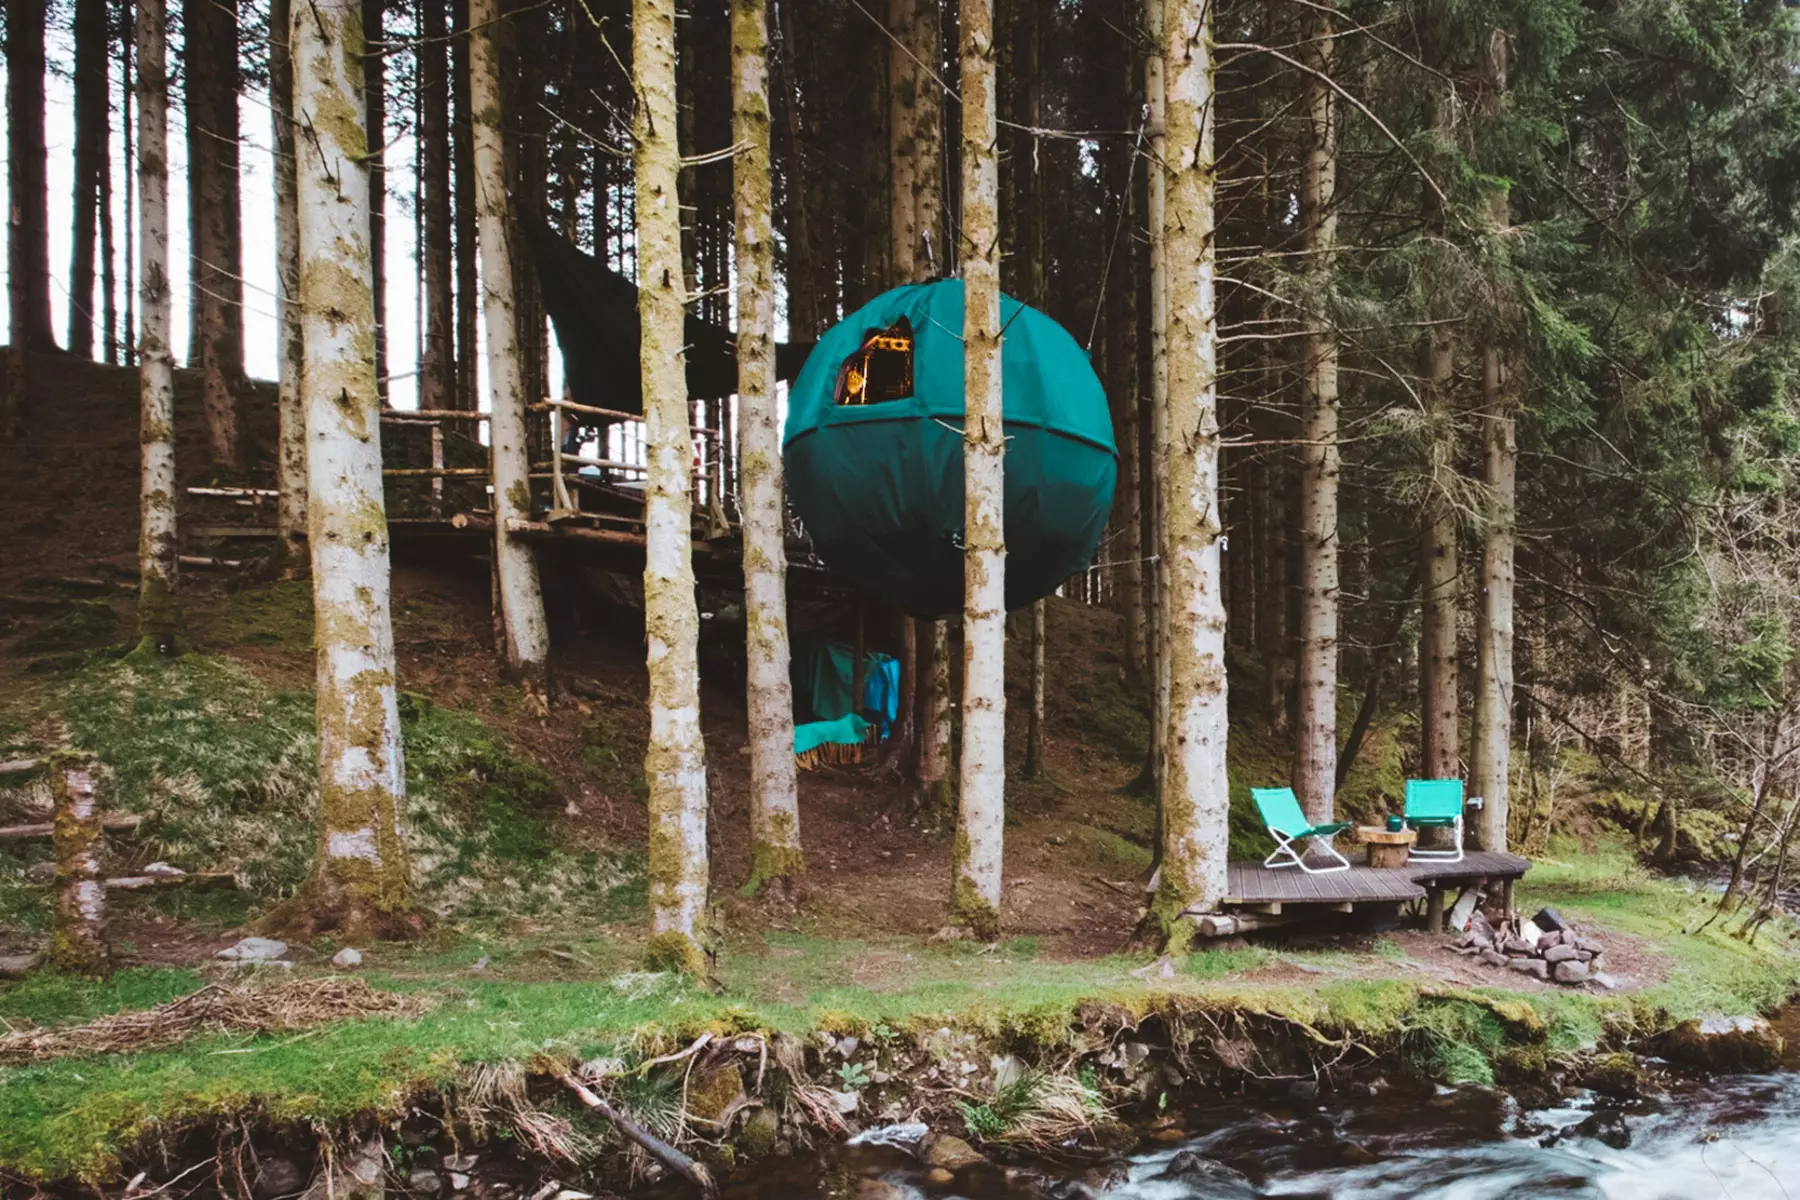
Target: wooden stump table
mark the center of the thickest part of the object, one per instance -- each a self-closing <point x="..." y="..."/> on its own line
<point x="1388" y="848"/>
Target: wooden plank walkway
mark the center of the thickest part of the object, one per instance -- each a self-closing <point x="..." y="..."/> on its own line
<point x="1253" y="883"/>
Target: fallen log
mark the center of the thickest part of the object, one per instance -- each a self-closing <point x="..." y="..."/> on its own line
<point x="37" y="830"/>
<point x="18" y="966"/>
<point x="664" y="1153"/>
<point x="20" y="766"/>
<point x="197" y="879"/>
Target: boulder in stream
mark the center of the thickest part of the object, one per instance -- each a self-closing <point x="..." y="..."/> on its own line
<point x="1721" y="1043"/>
<point x="1220" y="1181"/>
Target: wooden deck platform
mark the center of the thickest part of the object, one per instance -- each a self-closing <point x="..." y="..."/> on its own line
<point x="1254" y="884"/>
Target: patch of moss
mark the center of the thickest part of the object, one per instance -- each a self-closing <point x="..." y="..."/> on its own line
<point x="88" y="623"/>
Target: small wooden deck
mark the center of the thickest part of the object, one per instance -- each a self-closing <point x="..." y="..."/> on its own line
<point x="1254" y="884"/>
<point x="1258" y="897"/>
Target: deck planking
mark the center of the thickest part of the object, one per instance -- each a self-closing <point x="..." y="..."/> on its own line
<point x="1253" y="883"/>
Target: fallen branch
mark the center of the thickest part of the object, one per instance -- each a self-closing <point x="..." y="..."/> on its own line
<point x="196" y="879"/>
<point x="699" y="1045"/>
<point x="20" y="766"/>
<point x="664" y="1153"/>
<point x="45" y="829"/>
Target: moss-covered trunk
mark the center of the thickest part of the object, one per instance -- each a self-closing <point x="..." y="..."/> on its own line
<point x="774" y="798"/>
<point x="290" y="460"/>
<point x="675" y="760"/>
<point x="1196" y="799"/>
<point x="525" y="646"/>
<point x="158" y="612"/>
<point x="981" y="808"/>
<point x="360" y="880"/>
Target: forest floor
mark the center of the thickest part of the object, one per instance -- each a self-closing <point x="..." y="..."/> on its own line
<point x="531" y="831"/>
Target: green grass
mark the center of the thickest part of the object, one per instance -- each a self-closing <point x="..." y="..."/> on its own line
<point x="229" y="766"/>
<point x="576" y="993"/>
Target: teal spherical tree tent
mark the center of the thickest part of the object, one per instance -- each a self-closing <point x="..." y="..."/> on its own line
<point x="874" y="450"/>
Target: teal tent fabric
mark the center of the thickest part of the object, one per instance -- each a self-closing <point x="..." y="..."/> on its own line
<point x="879" y="486"/>
<point x="847" y="730"/>
<point x="827" y="677"/>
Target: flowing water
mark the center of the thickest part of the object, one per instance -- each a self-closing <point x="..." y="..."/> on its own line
<point x="1733" y="1138"/>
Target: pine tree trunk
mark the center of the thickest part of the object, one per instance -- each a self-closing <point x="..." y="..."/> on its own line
<point x="93" y="137"/>
<point x="28" y="230"/>
<point x="462" y="154"/>
<point x="1156" y="192"/>
<point x="375" y="89"/>
<point x="1034" y="726"/>
<point x="359" y="884"/>
<point x="435" y="364"/>
<point x="213" y="219"/>
<point x="981" y="813"/>
<point x="1315" y="760"/>
<point x="1440" y="739"/>
<point x="290" y="408"/>
<point x="937" y="727"/>
<point x="128" y="88"/>
<point x="78" y="928"/>
<point x="904" y="81"/>
<point x="158" y="610"/>
<point x="1196" y="799"/>
<point x="526" y="647"/>
<point x="109" y="300"/>
<point x="1492" y="738"/>
<point x="774" y="797"/>
<point x="675" y="760"/>
<point x="1122" y="364"/>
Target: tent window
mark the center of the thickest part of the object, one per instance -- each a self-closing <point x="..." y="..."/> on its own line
<point x="881" y="369"/>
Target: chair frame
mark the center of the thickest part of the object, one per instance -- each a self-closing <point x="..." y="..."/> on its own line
<point x="1454" y="824"/>
<point x="1288" y="852"/>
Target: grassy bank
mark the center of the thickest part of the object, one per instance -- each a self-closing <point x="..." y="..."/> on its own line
<point x="499" y="997"/>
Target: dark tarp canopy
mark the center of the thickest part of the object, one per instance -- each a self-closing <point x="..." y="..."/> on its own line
<point x="595" y="315"/>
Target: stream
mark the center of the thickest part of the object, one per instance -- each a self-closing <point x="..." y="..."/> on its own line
<point x="1734" y="1138"/>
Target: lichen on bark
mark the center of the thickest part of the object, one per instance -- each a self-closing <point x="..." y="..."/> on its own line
<point x="360" y="879"/>
<point x="675" y="760"/>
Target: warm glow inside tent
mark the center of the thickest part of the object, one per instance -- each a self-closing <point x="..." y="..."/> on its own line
<point x="874" y="450"/>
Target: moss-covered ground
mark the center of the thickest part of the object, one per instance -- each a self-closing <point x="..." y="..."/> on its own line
<point x="500" y="995"/>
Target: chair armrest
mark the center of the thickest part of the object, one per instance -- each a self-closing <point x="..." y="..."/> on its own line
<point x="1474" y="802"/>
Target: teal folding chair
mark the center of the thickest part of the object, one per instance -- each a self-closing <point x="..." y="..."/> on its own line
<point x="1437" y="804"/>
<point x="1287" y="824"/>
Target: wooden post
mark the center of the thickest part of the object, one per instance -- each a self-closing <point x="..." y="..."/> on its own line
<point x="1506" y="898"/>
<point x="1434" y="909"/>
<point x="78" y="929"/>
<point x="437" y="466"/>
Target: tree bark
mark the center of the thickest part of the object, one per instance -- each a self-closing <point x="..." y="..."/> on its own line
<point x="375" y="90"/>
<point x="359" y="883"/>
<point x="1492" y="749"/>
<point x="435" y="364"/>
<point x="93" y="139"/>
<point x="158" y="609"/>
<point x="981" y="813"/>
<point x="78" y="930"/>
<point x="28" y="228"/>
<point x="904" y="82"/>
<point x="290" y="408"/>
<point x="211" y="28"/>
<point x="1440" y="739"/>
<point x="1034" y="726"/>
<point x="526" y="646"/>
<point x="1156" y="193"/>
<point x="128" y="88"/>
<point x="1315" y="760"/>
<point x="676" y="758"/>
<point x="462" y="153"/>
<point x="1196" y="799"/>
<point x="775" y="854"/>
<point x="1122" y="366"/>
